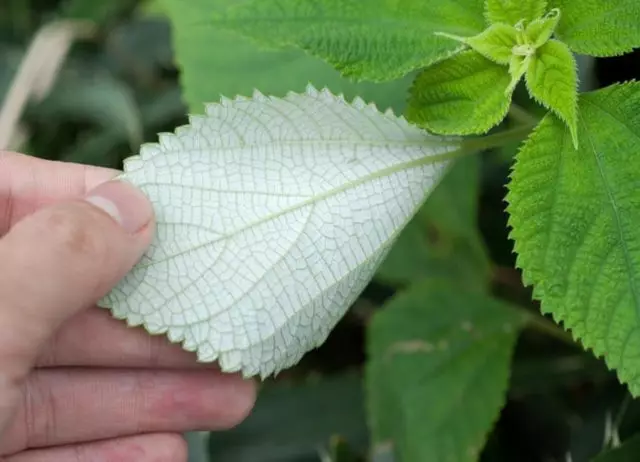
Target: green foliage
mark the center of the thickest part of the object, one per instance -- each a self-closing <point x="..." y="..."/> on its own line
<point x="466" y="84"/>
<point x="552" y="79"/>
<point x="376" y="40"/>
<point x="438" y="371"/>
<point x="233" y="65"/>
<point x="513" y="11"/>
<point x="451" y="66"/>
<point x="495" y="43"/>
<point x="599" y="27"/>
<point x="627" y="452"/>
<point x="296" y="421"/>
<point x="442" y="240"/>
<point x="538" y="31"/>
<point x="575" y="216"/>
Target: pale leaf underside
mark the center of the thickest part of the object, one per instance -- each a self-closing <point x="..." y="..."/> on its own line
<point x="272" y="216"/>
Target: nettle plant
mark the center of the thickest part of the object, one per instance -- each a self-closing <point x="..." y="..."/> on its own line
<point x="273" y="214"/>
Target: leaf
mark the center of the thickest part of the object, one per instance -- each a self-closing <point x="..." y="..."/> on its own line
<point x="308" y="415"/>
<point x="234" y="65"/>
<point x="552" y="79"/>
<point x="540" y="30"/>
<point x="513" y="11"/>
<point x="599" y="28"/>
<point x="376" y="40"/>
<point x="443" y="240"/>
<point x="627" y="452"/>
<point x="102" y="99"/>
<point x="463" y="95"/>
<point x="518" y="66"/>
<point x="438" y="371"/>
<point x="495" y="43"/>
<point x="272" y="217"/>
<point x="574" y="216"/>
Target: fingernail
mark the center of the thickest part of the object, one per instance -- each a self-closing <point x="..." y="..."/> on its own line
<point x="127" y="205"/>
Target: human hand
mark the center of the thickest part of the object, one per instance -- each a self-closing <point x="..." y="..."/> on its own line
<point x="76" y="384"/>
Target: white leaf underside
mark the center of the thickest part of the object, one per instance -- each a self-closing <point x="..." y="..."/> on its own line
<point x="272" y="217"/>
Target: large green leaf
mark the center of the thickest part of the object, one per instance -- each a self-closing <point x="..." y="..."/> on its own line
<point x="512" y="11"/>
<point x="575" y="216"/>
<point x="294" y="422"/>
<point x="215" y="62"/>
<point x="438" y="371"/>
<point x="599" y="27"/>
<point x="373" y="40"/>
<point x="462" y="95"/>
<point x="443" y="238"/>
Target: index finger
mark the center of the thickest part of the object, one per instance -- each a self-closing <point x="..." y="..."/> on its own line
<point x="93" y="338"/>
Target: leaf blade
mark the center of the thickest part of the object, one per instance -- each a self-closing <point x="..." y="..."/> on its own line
<point x="598" y="28"/>
<point x="428" y="348"/>
<point x="552" y="79"/>
<point x="376" y="40"/>
<point x="513" y="11"/>
<point x="572" y="214"/>
<point x="272" y="216"/>
<point x="232" y="65"/>
<point x="463" y="95"/>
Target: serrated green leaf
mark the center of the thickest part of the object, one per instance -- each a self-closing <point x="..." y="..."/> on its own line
<point x="575" y="214"/>
<point x="375" y="40"/>
<point x="462" y="95"/>
<point x="628" y="451"/>
<point x="308" y="413"/>
<point x="518" y="66"/>
<point x="438" y="371"/>
<point x="552" y="80"/>
<point x="494" y="43"/>
<point x="538" y="31"/>
<point x="513" y="11"/>
<point x="443" y="240"/>
<point x="232" y="65"/>
<point x="599" y="27"/>
<point x="272" y="216"/>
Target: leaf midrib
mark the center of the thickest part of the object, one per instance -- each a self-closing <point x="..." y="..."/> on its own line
<point x="414" y="163"/>
<point x="635" y="291"/>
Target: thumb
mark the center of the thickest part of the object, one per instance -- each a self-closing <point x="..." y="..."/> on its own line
<point x="64" y="258"/>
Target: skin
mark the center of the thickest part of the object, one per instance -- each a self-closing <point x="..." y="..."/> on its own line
<point x="75" y="384"/>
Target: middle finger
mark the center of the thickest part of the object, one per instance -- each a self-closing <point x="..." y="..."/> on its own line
<point x="64" y="406"/>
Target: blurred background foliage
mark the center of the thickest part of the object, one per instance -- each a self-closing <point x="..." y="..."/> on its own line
<point x="146" y="64"/>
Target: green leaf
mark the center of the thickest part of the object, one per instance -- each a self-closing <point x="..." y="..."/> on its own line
<point x="375" y="40"/>
<point x="438" y="371"/>
<point x="627" y="452"/>
<point x="462" y="95"/>
<point x="232" y="65"/>
<point x="599" y="27"/>
<point x="273" y="215"/>
<point x="309" y="414"/>
<point x="575" y="218"/>
<point x="518" y="66"/>
<point x="494" y="43"/>
<point x="538" y="31"/>
<point x="513" y="11"/>
<point x="443" y="239"/>
<point x="552" y="80"/>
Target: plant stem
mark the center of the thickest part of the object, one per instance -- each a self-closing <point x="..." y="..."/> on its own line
<point x="521" y="115"/>
<point x="498" y="139"/>
<point x="543" y="325"/>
